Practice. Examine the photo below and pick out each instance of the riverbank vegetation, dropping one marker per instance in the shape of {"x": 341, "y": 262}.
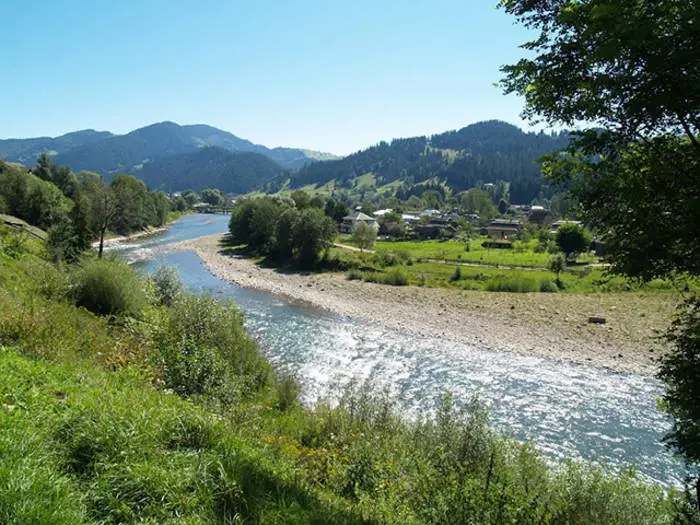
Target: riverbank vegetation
{"x": 158, "y": 407}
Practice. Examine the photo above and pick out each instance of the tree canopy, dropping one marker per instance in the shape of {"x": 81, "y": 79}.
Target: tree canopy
{"x": 631, "y": 71}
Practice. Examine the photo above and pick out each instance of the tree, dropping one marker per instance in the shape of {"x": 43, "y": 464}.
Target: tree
{"x": 313, "y": 233}
{"x": 680, "y": 371}
{"x": 301, "y": 199}
{"x": 336, "y": 210}
{"x": 44, "y": 167}
{"x": 364, "y": 236}
{"x": 557, "y": 264}
{"x": 213, "y": 197}
{"x": 133, "y": 203}
{"x": 635, "y": 172}
{"x": 503, "y": 207}
{"x": 629, "y": 69}
{"x": 191, "y": 197}
{"x": 572, "y": 239}
{"x": 104, "y": 210}
{"x": 478, "y": 201}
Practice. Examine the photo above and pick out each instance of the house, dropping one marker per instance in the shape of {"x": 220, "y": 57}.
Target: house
{"x": 538, "y": 215}
{"x": 555, "y": 225}
{"x": 502, "y": 228}
{"x": 382, "y": 213}
{"x": 350, "y": 222}
{"x": 409, "y": 219}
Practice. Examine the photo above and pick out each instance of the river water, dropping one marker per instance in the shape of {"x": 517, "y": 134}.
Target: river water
{"x": 567, "y": 410}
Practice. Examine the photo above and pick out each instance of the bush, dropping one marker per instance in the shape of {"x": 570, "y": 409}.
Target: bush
{"x": 168, "y": 286}
{"x": 110, "y": 287}
{"x": 386, "y": 259}
{"x": 512, "y": 284}
{"x": 288, "y": 389}
{"x": 548, "y": 286}
{"x": 354, "y": 275}
{"x": 396, "y": 277}
{"x": 199, "y": 336}
{"x": 457, "y": 275}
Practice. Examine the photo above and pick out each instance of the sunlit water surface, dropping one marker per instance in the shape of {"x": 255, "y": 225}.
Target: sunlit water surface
{"x": 567, "y": 410}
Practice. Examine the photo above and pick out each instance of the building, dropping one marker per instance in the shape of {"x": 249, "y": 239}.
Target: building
{"x": 502, "y": 228}
{"x": 555, "y": 225}
{"x": 350, "y": 222}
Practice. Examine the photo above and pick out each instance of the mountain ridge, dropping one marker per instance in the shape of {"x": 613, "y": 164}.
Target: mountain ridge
{"x": 108, "y": 154}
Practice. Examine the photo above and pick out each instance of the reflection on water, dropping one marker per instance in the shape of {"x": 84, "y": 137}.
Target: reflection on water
{"x": 568, "y": 410}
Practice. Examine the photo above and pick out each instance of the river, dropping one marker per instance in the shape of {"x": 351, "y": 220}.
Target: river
{"x": 567, "y": 410}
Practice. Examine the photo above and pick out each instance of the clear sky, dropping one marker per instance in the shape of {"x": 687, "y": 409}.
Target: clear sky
{"x": 328, "y": 75}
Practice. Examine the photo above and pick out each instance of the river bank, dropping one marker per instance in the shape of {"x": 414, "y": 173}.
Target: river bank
{"x": 548, "y": 325}
{"x": 123, "y": 238}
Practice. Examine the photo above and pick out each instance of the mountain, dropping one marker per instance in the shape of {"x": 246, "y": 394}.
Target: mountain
{"x": 485, "y": 152}
{"x": 210, "y": 167}
{"x": 108, "y": 154}
{"x": 26, "y": 151}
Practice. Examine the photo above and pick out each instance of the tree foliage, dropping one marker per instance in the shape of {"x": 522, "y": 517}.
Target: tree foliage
{"x": 681, "y": 372}
{"x": 571, "y": 239}
{"x": 630, "y": 70}
{"x": 212, "y": 196}
{"x": 276, "y": 227}
{"x": 364, "y": 236}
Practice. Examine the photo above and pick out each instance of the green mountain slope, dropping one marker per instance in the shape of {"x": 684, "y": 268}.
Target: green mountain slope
{"x": 26, "y": 151}
{"x": 480, "y": 153}
{"x": 211, "y": 167}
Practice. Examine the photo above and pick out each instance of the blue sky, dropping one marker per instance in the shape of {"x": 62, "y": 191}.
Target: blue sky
{"x": 328, "y": 75}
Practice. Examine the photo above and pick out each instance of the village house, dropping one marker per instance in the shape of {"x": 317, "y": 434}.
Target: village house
{"x": 502, "y": 228}
{"x": 350, "y": 222}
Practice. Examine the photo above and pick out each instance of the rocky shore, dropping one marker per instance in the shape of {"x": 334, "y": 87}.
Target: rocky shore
{"x": 550, "y": 325}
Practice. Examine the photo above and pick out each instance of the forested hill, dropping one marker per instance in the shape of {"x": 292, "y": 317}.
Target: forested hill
{"x": 212, "y": 167}
{"x": 26, "y": 151}
{"x": 480, "y": 153}
{"x": 109, "y": 154}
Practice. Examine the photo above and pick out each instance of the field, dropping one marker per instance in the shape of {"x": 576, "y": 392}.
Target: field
{"x": 435, "y": 263}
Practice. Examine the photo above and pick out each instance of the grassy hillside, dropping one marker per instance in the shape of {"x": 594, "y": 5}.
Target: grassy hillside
{"x": 161, "y": 410}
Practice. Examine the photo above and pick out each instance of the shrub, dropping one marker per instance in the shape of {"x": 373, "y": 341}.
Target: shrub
{"x": 354, "y": 275}
{"x": 288, "y": 389}
{"x": 512, "y": 284}
{"x": 548, "y": 286}
{"x": 199, "y": 335}
{"x": 457, "y": 275}
{"x": 13, "y": 243}
{"x": 395, "y": 277}
{"x": 386, "y": 259}
{"x": 110, "y": 287}
{"x": 168, "y": 286}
